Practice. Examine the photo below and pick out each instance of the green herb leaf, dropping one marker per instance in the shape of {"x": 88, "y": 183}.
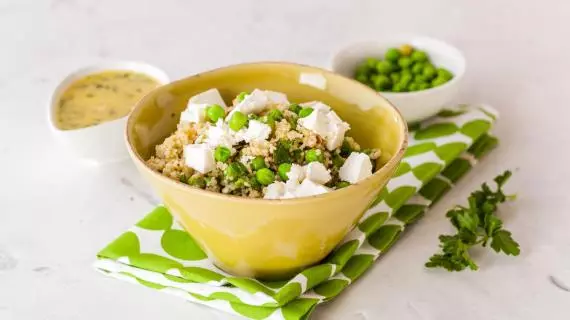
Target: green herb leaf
{"x": 492, "y": 225}
{"x": 502, "y": 178}
{"x": 455, "y": 256}
{"x": 475, "y": 224}
{"x": 503, "y": 241}
{"x": 281, "y": 153}
{"x": 468, "y": 220}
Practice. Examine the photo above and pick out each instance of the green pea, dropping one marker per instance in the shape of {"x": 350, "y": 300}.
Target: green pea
{"x": 215, "y": 112}
{"x": 384, "y": 67}
{"x": 444, "y": 73}
{"x": 295, "y": 108}
{"x": 362, "y": 78}
{"x": 404, "y": 62}
{"x": 342, "y": 184}
{"x": 265, "y": 176}
{"x": 418, "y": 68}
{"x": 238, "y": 121}
{"x": 399, "y": 87}
{"x": 305, "y": 112}
{"x": 235, "y": 170}
{"x": 275, "y": 114}
{"x": 392, "y": 54}
{"x": 420, "y": 81}
{"x": 419, "y": 56}
{"x": 371, "y": 62}
{"x": 424, "y": 86}
{"x": 419, "y": 78}
{"x": 314, "y": 155}
{"x": 406, "y": 49}
{"x": 241, "y": 96}
{"x": 283, "y": 169}
{"x": 395, "y": 77}
{"x": 268, "y": 121}
{"x": 258, "y": 163}
{"x": 197, "y": 181}
{"x": 429, "y": 72}
{"x": 405, "y": 79}
{"x": 414, "y": 86}
{"x": 395, "y": 66}
{"x": 438, "y": 81}
{"x": 222, "y": 154}
{"x": 381, "y": 82}
{"x": 406, "y": 72}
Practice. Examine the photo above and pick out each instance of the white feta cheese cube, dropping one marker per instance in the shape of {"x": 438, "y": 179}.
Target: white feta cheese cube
{"x": 317, "y": 172}
{"x": 316, "y": 105}
{"x": 194, "y": 113}
{"x": 317, "y": 122}
{"x": 276, "y": 190}
{"x": 258, "y": 100}
{"x": 336, "y": 131}
{"x": 254, "y": 102}
{"x": 296, "y": 173}
{"x": 326, "y": 123}
{"x": 356, "y": 167}
{"x": 289, "y": 195}
{"x": 275, "y": 97}
{"x": 208, "y": 97}
{"x": 309, "y": 188}
{"x": 334, "y": 119}
{"x": 199, "y": 157}
{"x": 335, "y": 138}
{"x": 256, "y": 131}
{"x": 221, "y": 135}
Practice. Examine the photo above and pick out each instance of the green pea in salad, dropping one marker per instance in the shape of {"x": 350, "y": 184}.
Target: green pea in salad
{"x": 262, "y": 146}
{"x": 403, "y": 69}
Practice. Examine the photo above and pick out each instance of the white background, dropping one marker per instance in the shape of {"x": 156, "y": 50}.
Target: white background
{"x": 57, "y": 213}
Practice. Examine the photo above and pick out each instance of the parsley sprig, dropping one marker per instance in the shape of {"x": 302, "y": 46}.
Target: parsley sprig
{"x": 476, "y": 224}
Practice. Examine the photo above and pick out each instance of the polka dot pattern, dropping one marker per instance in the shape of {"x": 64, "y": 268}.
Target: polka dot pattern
{"x": 441, "y": 151}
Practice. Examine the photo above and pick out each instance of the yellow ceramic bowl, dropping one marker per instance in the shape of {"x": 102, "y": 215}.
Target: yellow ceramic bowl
{"x": 269, "y": 239}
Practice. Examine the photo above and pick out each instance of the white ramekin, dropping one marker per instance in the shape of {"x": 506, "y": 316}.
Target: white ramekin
{"x": 102, "y": 143}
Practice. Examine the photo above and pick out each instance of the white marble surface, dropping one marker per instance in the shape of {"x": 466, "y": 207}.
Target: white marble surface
{"x": 57, "y": 212}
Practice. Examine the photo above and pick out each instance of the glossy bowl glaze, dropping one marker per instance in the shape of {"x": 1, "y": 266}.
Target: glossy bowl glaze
{"x": 269, "y": 239}
{"x": 417, "y": 105}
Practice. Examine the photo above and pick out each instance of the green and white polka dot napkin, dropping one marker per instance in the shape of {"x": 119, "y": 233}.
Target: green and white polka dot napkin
{"x": 159, "y": 254}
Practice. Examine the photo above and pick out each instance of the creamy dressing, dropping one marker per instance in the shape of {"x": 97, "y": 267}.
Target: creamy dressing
{"x": 101, "y": 97}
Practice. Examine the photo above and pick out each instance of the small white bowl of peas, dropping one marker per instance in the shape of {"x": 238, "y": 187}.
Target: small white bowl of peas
{"x": 419, "y": 75}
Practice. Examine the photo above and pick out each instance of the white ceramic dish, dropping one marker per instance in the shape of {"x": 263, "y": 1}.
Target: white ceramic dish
{"x": 417, "y": 105}
{"x": 102, "y": 143}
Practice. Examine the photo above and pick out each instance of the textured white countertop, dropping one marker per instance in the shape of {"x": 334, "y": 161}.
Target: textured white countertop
{"x": 58, "y": 212}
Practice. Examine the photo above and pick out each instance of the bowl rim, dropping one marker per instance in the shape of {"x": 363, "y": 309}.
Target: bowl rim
{"x": 114, "y": 65}
{"x": 403, "y": 38}
{"x": 227, "y": 197}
